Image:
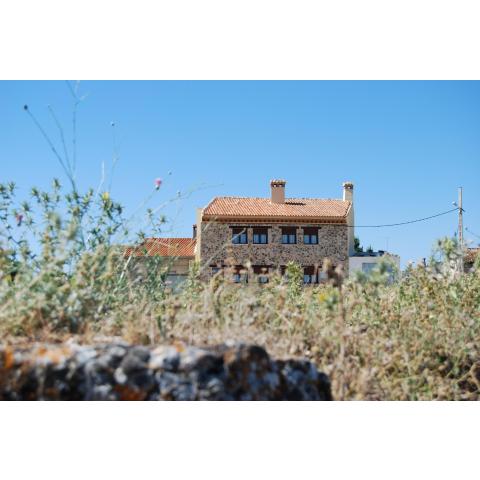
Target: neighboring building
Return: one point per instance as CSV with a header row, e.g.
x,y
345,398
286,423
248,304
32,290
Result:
x,y
470,257
268,233
178,254
366,261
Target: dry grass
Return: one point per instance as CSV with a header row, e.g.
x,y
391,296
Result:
x,y
417,339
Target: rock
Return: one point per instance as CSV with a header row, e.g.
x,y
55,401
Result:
x,y
165,358
118,371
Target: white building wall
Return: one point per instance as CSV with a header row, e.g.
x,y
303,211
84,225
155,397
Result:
x,y
356,263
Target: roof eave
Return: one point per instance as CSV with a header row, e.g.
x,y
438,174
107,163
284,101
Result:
x,y
275,219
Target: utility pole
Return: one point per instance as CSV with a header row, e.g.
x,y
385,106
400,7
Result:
x,y
460,216
460,225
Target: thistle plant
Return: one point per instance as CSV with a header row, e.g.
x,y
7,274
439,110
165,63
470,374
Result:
x,y
62,262
294,274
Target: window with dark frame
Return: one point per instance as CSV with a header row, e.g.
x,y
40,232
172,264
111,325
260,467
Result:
x,y
239,235
261,273
309,275
260,235
310,236
240,275
289,235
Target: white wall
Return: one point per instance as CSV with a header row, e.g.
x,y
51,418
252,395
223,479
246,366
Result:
x,y
356,263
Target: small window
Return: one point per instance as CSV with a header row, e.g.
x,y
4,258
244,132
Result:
x,y
309,275
310,236
260,235
239,235
215,270
261,273
289,235
240,275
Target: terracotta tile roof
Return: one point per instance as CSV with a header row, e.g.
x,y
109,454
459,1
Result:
x,y
164,247
308,208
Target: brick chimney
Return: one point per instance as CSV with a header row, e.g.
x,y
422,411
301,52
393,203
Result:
x,y
348,191
278,191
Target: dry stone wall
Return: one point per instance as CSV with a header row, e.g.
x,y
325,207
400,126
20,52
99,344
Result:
x,y
119,371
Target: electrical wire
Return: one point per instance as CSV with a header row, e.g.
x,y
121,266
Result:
x,y
472,233
404,223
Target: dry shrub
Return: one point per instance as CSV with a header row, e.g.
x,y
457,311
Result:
x,y
417,338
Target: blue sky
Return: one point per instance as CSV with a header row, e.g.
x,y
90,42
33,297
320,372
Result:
x,y
407,146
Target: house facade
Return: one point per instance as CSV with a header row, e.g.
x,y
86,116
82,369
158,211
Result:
x,y
268,233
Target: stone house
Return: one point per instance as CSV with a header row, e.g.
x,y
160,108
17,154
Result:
x,y
249,238
268,233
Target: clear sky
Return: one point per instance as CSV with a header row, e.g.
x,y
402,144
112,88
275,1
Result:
x,y
407,146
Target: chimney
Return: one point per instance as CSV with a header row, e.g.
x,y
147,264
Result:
x,y
278,191
348,192
348,197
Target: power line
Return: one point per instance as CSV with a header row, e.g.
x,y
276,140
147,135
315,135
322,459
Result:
x,y
472,233
404,223
393,224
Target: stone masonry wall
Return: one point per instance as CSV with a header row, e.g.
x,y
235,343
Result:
x,y
119,371
216,246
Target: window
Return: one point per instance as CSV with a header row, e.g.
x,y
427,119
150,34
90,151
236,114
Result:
x,y
261,273
175,281
215,270
260,235
240,275
289,235
368,267
310,236
309,275
239,235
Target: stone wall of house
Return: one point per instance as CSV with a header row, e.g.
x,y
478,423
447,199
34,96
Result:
x,y
216,247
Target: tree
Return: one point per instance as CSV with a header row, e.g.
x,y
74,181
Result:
x,y
356,243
